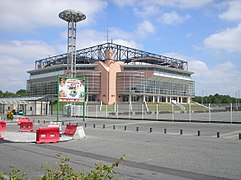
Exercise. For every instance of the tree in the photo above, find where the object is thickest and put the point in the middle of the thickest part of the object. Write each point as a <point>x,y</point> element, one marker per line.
<point>21,92</point>
<point>9,94</point>
<point>1,94</point>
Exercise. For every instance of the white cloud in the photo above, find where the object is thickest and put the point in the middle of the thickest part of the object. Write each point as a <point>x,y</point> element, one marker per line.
<point>123,3</point>
<point>13,74</point>
<point>222,78</point>
<point>233,12</point>
<point>146,11</point>
<point>198,67</point>
<point>164,3</point>
<point>173,18</point>
<point>16,58</point>
<point>26,49</point>
<point>28,15</point>
<point>145,28</point>
<point>89,37</point>
<point>228,40</point>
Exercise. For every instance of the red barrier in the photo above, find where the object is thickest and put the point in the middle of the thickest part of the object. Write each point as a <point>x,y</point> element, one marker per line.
<point>70,129</point>
<point>26,126</point>
<point>2,126</point>
<point>22,120</point>
<point>47,135</point>
<point>1,137</point>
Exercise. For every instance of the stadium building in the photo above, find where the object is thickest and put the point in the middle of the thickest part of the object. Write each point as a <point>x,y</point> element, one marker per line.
<point>115,74</point>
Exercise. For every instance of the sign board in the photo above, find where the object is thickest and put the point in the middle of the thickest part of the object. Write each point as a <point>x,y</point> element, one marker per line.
<point>71,90</point>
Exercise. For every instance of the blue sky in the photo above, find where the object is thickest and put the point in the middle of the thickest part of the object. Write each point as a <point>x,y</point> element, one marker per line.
<point>206,33</point>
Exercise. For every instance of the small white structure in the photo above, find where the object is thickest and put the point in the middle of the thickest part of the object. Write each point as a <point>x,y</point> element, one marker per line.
<point>29,105</point>
<point>79,133</point>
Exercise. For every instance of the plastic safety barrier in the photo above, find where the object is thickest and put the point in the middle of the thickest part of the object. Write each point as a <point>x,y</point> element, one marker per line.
<point>56,124</point>
<point>26,126</point>
<point>47,135</point>
<point>80,133</point>
<point>70,129</point>
<point>22,120</point>
<point>2,126</point>
<point>1,137</point>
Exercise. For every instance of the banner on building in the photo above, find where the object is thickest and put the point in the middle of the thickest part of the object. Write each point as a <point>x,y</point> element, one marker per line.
<point>71,90</point>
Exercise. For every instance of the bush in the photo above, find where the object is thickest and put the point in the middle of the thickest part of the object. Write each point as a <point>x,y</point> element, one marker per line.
<point>63,171</point>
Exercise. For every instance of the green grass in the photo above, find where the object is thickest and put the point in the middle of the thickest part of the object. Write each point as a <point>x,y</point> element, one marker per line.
<point>167,107</point>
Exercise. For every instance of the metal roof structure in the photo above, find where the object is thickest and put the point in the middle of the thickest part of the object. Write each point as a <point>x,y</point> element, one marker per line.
<point>20,100</point>
<point>120,53</point>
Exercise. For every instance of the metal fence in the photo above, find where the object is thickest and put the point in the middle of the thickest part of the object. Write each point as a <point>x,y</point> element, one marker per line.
<point>226,115</point>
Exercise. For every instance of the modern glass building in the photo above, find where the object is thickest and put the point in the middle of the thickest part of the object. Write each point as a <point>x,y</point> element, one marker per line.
<point>115,73</point>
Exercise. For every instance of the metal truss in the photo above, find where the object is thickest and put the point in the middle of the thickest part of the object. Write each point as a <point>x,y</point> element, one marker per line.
<point>120,53</point>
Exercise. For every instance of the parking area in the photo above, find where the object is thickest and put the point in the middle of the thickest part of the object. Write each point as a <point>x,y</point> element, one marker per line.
<point>154,154</point>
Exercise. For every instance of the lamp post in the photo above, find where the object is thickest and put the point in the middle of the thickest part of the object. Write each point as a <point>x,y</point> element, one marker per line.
<point>72,17</point>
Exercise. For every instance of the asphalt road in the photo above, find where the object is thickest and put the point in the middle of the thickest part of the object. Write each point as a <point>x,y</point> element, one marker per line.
<point>149,155</point>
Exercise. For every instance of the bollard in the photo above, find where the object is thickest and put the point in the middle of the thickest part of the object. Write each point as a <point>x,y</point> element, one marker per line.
<point>38,121</point>
<point>85,125</point>
<point>62,123</point>
<point>198,133</point>
<point>181,131</point>
<point>44,121</point>
<point>103,126</point>
<point>150,130</point>
<point>137,128</point>
<point>125,128</point>
<point>165,131</point>
<point>114,127</point>
<point>218,135</point>
<point>93,125</point>
<point>239,136</point>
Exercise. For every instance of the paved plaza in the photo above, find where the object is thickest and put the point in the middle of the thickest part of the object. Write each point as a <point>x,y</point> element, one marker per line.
<point>153,149</point>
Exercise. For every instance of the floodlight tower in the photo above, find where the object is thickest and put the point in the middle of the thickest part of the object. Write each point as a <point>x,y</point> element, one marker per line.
<point>72,17</point>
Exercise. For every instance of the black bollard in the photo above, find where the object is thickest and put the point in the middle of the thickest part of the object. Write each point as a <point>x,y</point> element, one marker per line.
<point>125,128</point>
<point>239,136</point>
<point>218,135</point>
<point>85,125</point>
<point>198,133</point>
<point>165,131</point>
<point>114,127</point>
<point>103,126</point>
<point>181,132</point>
<point>62,123</point>
<point>150,130</point>
<point>137,128</point>
<point>38,121</point>
<point>93,125</point>
<point>44,121</point>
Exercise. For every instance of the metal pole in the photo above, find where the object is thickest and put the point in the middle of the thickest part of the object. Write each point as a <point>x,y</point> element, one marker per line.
<point>96,111</point>
<point>190,112</point>
<point>84,111</point>
<point>129,111</point>
<point>157,112</point>
<point>106,111</point>
<point>231,112</point>
<point>209,113</point>
<point>117,111</point>
<point>142,111</point>
<point>172,112</point>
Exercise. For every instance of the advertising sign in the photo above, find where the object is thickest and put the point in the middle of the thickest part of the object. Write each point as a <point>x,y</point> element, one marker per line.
<point>71,90</point>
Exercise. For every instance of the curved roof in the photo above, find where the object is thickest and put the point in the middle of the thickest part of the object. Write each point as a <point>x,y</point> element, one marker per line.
<point>119,53</point>
<point>20,100</point>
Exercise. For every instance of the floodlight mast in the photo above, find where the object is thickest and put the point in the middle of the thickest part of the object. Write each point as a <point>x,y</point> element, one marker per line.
<point>72,17</point>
